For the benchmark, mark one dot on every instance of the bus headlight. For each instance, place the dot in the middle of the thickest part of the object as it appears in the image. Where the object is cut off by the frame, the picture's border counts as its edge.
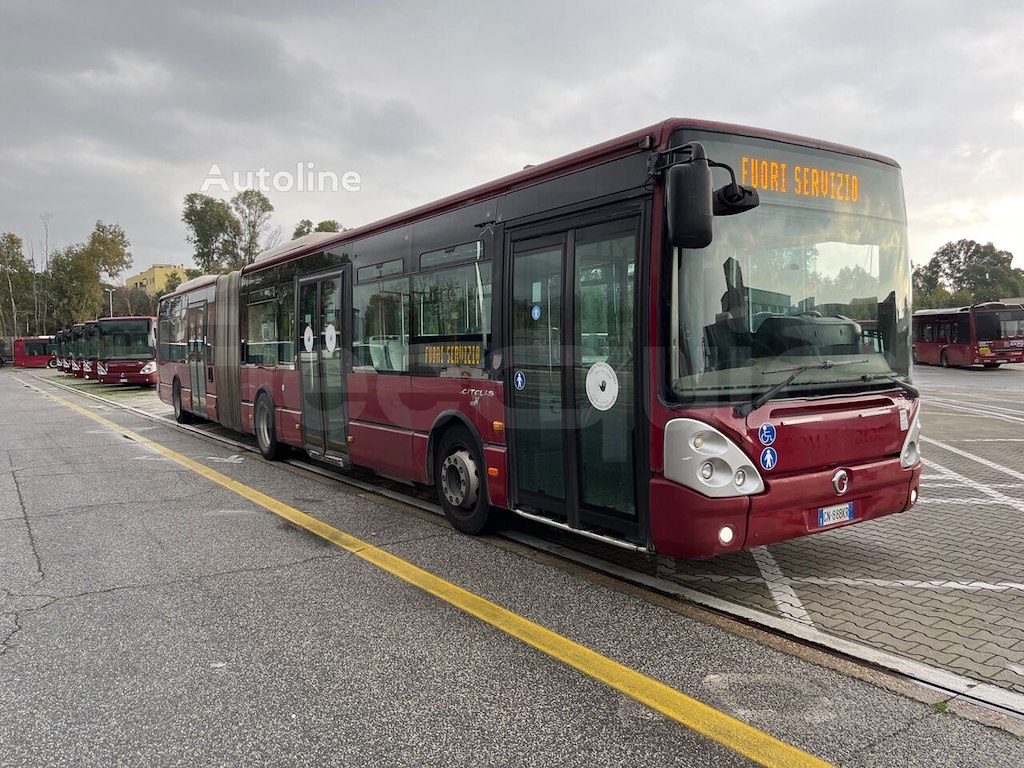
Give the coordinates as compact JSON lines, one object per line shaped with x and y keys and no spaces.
{"x":149,"y":367}
{"x":700,"y":457}
{"x":101,"y":369}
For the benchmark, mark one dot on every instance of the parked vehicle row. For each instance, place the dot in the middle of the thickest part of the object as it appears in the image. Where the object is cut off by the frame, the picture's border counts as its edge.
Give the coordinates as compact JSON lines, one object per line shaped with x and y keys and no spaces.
{"x":110,"y":350}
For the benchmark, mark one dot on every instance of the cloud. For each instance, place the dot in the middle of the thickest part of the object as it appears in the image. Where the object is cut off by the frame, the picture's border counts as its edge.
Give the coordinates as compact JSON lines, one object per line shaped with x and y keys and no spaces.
{"x":117,"y":112}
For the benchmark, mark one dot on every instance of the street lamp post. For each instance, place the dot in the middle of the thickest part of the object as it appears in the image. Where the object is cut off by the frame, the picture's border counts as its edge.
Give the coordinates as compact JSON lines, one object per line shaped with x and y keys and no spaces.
{"x":110,"y":295}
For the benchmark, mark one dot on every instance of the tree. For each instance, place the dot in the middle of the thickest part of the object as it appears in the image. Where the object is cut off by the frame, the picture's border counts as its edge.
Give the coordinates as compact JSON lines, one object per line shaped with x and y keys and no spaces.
{"x":252,"y":209}
{"x":302,"y":229}
{"x":15,"y":282}
{"x":305,"y":226}
{"x":107,"y":249}
{"x":76,"y":280}
{"x":213,"y":230}
{"x":173,"y":281}
{"x":964,"y":272}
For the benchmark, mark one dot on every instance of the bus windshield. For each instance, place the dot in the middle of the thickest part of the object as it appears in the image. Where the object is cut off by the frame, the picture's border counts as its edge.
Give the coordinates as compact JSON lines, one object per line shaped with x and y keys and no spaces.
{"x":1005,"y":324}
{"x":127,"y":340}
{"x":817,"y":275}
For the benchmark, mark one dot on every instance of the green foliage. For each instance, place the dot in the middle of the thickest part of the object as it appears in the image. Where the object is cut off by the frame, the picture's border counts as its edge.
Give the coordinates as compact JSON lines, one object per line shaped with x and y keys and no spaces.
{"x":108,"y":249}
{"x":302,"y":229}
{"x":173,"y":282}
{"x":964,"y":272}
{"x":305,"y":226}
{"x":252,"y":210}
{"x":213,"y":230}
{"x":15,"y":283}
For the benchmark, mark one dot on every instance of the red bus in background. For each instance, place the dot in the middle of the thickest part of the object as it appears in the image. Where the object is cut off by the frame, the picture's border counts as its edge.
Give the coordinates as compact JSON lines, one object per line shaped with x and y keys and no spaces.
{"x":127,"y":351}
{"x":988,"y":334}
{"x":76,"y":349}
{"x":593,"y":343}
{"x":61,"y":341}
{"x":90,"y":348}
{"x":35,"y":352}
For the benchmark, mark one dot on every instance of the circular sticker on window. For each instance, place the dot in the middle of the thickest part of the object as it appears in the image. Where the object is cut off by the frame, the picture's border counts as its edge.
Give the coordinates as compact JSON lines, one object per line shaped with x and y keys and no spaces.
{"x":330,"y":337}
{"x":307,"y":338}
{"x":602,"y":386}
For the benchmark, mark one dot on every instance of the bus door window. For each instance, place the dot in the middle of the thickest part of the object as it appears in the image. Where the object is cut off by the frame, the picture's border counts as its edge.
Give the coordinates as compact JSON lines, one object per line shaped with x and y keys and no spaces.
{"x":605,"y":258}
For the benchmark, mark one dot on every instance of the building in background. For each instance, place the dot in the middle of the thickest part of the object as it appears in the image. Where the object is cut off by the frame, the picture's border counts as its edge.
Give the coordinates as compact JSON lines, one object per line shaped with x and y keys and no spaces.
{"x":153,"y":280}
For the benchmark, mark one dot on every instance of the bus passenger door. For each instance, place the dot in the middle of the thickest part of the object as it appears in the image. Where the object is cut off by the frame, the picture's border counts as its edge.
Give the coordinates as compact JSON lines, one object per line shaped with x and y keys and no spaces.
{"x":195,"y":323}
{"x":571,"y":376}
{"x":322,"y":365}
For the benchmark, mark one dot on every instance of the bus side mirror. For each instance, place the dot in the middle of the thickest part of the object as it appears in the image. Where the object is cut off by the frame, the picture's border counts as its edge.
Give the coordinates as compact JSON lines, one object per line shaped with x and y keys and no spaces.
{"x":688,"y":206}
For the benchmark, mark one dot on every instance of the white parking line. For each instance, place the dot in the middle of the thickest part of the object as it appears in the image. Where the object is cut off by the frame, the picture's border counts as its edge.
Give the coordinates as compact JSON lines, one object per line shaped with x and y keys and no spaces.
{"x":782,"y":593}
{"x":992,"y":493}
{"x":973,"y":457}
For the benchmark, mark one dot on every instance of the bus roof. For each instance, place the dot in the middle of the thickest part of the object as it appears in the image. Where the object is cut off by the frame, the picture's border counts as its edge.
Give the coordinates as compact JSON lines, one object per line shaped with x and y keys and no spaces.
{"x":126,"y":317}
{"x":653,"y":136}
{"x":986,"y":306}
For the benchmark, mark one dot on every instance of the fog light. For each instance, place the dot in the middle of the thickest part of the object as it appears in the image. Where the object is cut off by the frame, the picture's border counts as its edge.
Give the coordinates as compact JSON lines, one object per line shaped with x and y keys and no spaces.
{"x":706,"y":470}
{"x":698,"y":442}
{"x":913,"y":496}
{"x":740,"y":478}
{"x":726,"y":534}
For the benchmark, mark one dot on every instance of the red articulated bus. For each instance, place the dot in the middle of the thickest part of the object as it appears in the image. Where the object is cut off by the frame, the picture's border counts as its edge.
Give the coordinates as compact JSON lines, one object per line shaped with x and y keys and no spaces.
{"x":988,"y":334}
{"x":593,"y":343}
{"x":35,"y":352}
{"x":127,"y":351}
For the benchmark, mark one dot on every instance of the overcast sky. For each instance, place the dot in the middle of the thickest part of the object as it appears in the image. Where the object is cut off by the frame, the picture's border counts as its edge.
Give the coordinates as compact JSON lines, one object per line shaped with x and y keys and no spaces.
{"x":117,"y":110}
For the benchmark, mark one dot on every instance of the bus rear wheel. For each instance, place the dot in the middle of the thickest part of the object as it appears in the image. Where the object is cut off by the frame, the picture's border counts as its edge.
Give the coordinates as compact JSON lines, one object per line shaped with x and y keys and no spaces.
{"x":180,"y":414}
{"x":459,"y":479}
{"x":263,"y":425}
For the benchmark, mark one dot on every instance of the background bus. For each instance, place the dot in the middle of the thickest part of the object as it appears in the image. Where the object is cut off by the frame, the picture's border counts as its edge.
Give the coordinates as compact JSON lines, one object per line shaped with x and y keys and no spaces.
{"x":988,"y":334}
{"x":35,"y":352}
{"x":60,"y":339}
{"x":127,"y":351}
{"x":586,"y":344}
{"x":90,"y":348}
{"x":77,"y":349}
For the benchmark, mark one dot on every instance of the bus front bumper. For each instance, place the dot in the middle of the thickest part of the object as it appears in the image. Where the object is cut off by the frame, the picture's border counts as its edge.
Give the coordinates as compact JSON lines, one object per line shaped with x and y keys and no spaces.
{"x":688,"y":525}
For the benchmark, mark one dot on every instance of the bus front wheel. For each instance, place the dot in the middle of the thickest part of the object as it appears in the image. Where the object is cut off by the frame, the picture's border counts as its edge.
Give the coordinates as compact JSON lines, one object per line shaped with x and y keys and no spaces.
{"x":459,"y":479}
{"x":180,"y":414}
{"x":266,"y":434}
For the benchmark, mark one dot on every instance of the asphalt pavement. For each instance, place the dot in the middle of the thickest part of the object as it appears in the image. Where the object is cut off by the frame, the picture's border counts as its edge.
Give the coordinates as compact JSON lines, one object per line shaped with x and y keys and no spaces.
{"x":150,"y":616}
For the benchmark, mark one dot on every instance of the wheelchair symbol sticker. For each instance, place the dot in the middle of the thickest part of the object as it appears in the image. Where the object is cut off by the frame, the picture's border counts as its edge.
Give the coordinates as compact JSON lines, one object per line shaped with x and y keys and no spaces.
{"x":769,"y":458}
{"x":766,"y":433}
{"x":519,"y":380}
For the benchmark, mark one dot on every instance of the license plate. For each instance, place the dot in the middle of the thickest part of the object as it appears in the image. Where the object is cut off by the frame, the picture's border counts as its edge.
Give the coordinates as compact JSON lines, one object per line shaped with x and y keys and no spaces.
{"x":837,"y":513}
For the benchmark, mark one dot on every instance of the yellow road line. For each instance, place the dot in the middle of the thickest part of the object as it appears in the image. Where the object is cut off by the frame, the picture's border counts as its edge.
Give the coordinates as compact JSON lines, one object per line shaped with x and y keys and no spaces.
{"x":728,"y":731}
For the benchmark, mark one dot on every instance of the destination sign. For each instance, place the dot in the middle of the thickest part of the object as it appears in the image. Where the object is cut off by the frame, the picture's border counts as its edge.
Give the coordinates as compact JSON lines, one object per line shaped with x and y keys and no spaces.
{"x":779,"y":176}
{"x":791,"y":174}
{"x":453,"y":353}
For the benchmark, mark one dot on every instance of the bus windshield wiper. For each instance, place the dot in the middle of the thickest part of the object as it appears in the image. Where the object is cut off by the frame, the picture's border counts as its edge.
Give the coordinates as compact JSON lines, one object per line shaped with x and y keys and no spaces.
{"x":908,"y":388}
{"x":746,"y":408}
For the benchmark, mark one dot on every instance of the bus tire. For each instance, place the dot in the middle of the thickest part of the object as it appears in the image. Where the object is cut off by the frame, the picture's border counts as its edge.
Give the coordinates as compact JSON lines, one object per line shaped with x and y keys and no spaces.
{"x":992,"y":365}
{"x":459,"y":479}
{"x":263,"y":426}
{"x":180,"y":414}
{"x":51,"y":363}
{"x":944,"y":359}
